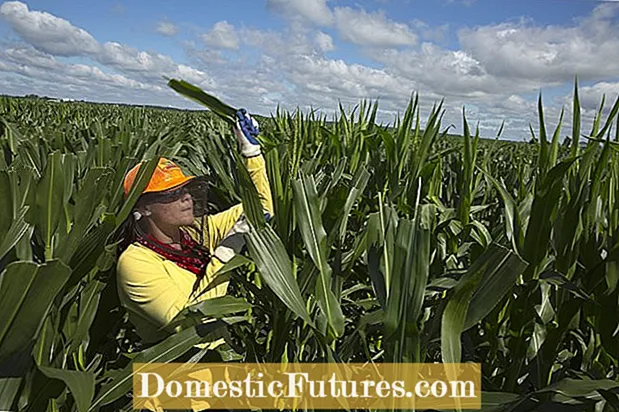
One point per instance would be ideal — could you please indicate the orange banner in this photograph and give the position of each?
(306, 385)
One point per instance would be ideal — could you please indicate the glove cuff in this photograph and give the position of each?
(250, 150)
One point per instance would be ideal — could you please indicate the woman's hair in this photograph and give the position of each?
(128, 232)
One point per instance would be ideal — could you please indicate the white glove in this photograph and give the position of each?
(246, 130)
(234, 242)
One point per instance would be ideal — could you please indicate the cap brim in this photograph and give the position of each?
(173, 185)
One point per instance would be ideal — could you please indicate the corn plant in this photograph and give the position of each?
(390, 243)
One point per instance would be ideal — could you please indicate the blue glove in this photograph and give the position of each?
(246, 131)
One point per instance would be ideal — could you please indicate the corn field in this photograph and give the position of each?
(430, 248)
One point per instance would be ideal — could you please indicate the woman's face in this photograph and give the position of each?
(176, 211)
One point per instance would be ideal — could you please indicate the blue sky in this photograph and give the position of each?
(491, 56)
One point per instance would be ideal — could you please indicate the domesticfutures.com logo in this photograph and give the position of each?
(307, 385)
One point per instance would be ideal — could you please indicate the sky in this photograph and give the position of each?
(488, 58)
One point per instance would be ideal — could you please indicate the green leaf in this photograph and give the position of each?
(373, 259)
(513, 219)
(483, 285)
(6, 204)
(498, 277)
(491, 400)
(575, 121)
(407, 289)
(579, 387)
(358, 186)
(27, 291)
(196, 94)
(9, 389)
(91, 247)
(543, 163)
(88, 306)
(453, 320)
(252, 205)
(167, 351)
(49, 201)
(218, 307)
(544, 205)
(275, 267)
(611, 398)
(19, 228)
(307, 210)
(89, 198)
(609, 120)
(81, 384)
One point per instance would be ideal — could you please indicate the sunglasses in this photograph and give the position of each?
(167, 197)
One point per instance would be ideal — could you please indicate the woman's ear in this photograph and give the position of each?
(144, 210)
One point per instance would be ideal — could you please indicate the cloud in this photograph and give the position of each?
(293, 41)
(46, 32)
(372, 29)
(497, 61)
(324, 42)
(342, 79)
(34, 64)
(58, 37)
(314, 11)
(495, 70)
(551, 54)
(590, 97)
(166, 29)
(222, 36)
(449, 73)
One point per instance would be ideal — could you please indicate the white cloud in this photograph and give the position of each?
(36, 65)
(498, 61)
(58, 37)
(490, 72)
(166, 28)
(449, 73)
(590, 97)
(46, 32)
(372, 29)
(341, 79)
(293, 41)
(222, 36)
(551, 54)
(28, 56)
(324, 42)
(314, 11)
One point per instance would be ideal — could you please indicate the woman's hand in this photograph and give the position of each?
(246, 131)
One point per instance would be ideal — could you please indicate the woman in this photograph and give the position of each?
(170, 255)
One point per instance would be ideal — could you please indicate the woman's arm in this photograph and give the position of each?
(221, 228)
(220, 224)
(223, 234)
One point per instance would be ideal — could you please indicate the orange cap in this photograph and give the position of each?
(166, 176)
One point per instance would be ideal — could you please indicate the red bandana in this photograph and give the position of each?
(191, 256)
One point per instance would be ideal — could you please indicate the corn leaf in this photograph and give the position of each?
(172, 348)
(19, 229)
(196, 94)
(314, 236)
(27, 291)
(275, 267)
(475, 295)
(80, 384)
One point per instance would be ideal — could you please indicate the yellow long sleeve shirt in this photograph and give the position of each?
(154, 290)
